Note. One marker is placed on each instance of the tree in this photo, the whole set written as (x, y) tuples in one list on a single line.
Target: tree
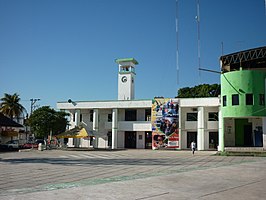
[(45, 120), (204, 90), (10, 105)]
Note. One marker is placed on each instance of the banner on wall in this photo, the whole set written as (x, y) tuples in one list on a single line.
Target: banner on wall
[(165, 123)]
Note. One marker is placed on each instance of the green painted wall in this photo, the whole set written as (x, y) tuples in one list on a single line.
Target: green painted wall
[(243, 82)]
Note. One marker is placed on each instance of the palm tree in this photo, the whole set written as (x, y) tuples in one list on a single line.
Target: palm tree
[(10, 105)]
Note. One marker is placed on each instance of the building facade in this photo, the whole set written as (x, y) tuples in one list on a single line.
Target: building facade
[(111, 124), (243, 88), (199, 122), (127, 122)]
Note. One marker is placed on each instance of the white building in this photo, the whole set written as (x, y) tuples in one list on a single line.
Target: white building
[(199, 121), (126, 122)]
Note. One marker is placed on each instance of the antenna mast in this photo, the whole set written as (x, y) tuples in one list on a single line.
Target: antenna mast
[(198, 29), (177, 50), (265, 6)]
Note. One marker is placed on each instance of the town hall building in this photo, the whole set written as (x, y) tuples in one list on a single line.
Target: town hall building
[(144, 124)]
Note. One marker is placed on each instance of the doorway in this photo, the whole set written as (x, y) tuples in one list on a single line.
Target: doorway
[(191, 136), (130, 139), (213, 140), (148, 140), (248, 140)]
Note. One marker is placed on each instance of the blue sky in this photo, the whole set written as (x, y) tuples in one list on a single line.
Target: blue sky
[(60, 49)]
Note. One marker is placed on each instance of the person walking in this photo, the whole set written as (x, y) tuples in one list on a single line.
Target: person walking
[(193, 147)]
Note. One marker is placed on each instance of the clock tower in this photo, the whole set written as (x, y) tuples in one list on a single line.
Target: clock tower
[(126, 78)]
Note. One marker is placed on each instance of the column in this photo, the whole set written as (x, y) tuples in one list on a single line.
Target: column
[(95, 120), (95, 126), (114, 128), (264, 132), (77, 117), (200, 137), (221, 131), (180, 127)]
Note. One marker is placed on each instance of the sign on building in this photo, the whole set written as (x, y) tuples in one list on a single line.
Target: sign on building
[(165, 123)]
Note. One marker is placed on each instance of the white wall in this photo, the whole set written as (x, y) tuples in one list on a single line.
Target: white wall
[(198, 102), (120, 139), (134, 126), (105, 104), (184, 140), (192, 126), (141, 115), (84, 142), (229, 132), (140, 142)]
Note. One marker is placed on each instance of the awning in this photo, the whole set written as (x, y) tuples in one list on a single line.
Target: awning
[(76, 132)]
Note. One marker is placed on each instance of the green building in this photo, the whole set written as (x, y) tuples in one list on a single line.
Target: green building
[(243, 88)]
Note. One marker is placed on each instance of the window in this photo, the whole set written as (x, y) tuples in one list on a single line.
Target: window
[(224, 100), (91, 115), (213, 116), (235, 99), (109, 117), (148, 114), (80, 118), (249, 99), (192, 116), (262, 100), (131, 115)]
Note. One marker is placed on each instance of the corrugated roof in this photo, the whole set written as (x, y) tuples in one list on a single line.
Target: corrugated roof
[(5, 121)]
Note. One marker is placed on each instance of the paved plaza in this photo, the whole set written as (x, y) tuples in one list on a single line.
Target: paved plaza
[(130, 174)]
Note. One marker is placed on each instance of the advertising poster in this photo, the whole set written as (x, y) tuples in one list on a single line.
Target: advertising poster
[(165, 123)]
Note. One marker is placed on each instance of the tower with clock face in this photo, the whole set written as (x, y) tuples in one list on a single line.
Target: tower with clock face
[(126, 78)]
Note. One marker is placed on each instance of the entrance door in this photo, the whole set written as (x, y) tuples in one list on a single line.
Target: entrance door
[(191, 136), (213, 140), (130, 140), (148, 140), (248, 140)]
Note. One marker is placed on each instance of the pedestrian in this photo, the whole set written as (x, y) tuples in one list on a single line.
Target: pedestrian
[(193, 147)]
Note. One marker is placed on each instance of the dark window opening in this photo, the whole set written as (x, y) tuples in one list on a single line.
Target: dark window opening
[(109, 117), (74, 117), (130, 115), (192, 116), (213, 116), (80, 118), (235, 99), (109, 139), (91, 115), (249, 99), (224, 100), (148, 114), (262, 100)]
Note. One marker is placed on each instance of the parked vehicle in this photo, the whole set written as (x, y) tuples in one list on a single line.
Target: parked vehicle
[(10, 145), (29, 145)]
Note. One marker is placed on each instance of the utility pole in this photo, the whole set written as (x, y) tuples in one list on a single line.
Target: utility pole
[(32, 102)]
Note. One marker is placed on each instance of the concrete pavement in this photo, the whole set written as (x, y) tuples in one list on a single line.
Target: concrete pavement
[(131, 174)]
